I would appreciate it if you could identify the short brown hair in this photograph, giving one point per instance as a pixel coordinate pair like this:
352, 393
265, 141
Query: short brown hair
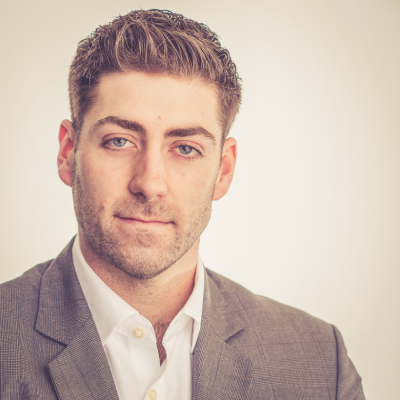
154, 41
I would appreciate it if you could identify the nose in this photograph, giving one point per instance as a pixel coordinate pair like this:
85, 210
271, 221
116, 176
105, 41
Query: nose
149, 177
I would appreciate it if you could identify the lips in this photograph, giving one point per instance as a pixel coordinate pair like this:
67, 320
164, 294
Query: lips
143, 220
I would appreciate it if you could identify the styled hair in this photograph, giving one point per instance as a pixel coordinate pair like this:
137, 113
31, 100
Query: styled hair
154, 41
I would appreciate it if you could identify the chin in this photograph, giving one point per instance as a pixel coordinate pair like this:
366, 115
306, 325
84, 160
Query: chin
144, 264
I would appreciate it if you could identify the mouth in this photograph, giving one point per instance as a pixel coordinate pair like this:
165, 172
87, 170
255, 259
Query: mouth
138, 221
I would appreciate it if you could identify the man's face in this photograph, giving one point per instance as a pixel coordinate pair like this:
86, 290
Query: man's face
145, 169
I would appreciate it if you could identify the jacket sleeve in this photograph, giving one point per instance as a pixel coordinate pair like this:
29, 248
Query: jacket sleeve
348, 381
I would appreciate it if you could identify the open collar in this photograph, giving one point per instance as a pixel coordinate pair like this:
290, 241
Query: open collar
109, 309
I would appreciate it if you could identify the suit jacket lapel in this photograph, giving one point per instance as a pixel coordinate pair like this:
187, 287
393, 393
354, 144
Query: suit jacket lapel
81, 370
221, 370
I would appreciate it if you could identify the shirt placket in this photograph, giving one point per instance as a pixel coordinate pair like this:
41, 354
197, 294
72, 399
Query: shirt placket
157, 390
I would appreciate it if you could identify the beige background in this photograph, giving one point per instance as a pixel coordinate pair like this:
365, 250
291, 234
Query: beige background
313, 216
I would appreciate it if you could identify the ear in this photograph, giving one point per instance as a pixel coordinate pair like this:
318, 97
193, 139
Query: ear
65, 157
226, 169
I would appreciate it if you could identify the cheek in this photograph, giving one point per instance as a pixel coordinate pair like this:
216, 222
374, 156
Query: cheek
101, 182
195, 186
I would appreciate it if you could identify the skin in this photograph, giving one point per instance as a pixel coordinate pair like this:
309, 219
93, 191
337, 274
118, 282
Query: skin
144, 172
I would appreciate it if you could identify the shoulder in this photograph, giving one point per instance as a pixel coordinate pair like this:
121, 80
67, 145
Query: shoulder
28, 279
21, 293
19, 301
264, 313
287, 347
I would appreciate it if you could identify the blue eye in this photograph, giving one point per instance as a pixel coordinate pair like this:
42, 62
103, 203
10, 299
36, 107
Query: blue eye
119, 142
184, 149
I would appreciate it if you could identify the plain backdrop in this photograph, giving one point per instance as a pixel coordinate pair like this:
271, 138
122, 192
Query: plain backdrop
313, 215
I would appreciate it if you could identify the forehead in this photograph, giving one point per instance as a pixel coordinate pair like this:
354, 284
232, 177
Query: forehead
156, 101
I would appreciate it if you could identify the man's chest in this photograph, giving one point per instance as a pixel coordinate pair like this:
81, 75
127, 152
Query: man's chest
133, 357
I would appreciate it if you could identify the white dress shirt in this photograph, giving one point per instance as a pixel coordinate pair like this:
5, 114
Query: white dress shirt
130, 343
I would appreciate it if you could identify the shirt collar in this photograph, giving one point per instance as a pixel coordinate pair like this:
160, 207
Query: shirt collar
108, 309
194, 306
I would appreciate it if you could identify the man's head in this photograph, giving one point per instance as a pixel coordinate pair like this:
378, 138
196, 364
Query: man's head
152, 152
156, 42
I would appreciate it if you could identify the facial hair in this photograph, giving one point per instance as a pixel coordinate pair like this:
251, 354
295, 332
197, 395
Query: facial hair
141, 254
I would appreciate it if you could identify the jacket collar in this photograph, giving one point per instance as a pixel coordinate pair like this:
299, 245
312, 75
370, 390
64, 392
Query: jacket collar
62, 306
81, 370
219, 363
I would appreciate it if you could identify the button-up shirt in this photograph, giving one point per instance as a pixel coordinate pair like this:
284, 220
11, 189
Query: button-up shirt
130, 342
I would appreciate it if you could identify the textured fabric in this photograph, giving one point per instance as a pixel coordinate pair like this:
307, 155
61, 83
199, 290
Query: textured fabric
249, 347
134, 361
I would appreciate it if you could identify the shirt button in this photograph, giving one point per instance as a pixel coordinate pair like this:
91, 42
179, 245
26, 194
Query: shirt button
152, 394
139, 333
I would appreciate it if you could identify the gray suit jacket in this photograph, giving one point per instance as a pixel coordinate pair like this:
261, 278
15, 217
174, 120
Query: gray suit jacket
249, 347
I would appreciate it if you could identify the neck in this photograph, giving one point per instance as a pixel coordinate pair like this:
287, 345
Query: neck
158, 299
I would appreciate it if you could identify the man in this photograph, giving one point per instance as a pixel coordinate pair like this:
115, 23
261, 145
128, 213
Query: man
127, 309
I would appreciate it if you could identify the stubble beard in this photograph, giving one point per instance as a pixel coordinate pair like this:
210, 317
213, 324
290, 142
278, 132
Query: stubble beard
143, 255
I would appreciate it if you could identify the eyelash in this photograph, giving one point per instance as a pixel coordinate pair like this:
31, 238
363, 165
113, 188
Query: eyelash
198, 155
107, 142
195, 157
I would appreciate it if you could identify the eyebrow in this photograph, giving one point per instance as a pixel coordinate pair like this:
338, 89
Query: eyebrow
123, 123
136, 127
185, 132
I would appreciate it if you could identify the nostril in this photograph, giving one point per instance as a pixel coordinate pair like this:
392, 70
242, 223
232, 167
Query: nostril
147, 186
